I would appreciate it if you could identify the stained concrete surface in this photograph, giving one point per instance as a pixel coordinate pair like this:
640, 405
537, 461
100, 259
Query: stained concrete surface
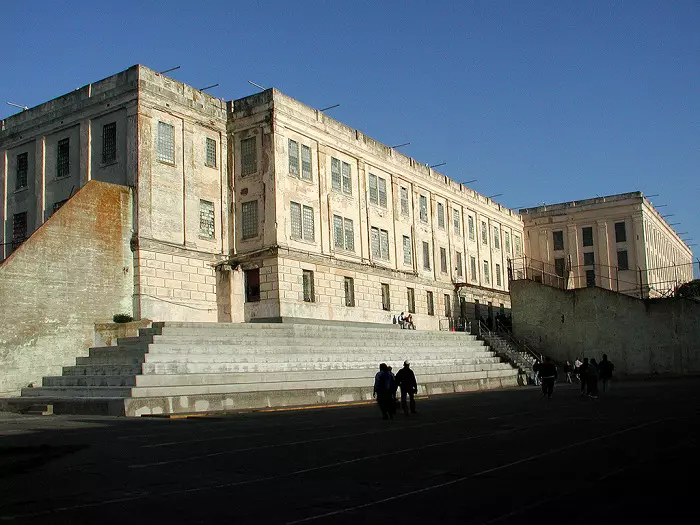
489, 457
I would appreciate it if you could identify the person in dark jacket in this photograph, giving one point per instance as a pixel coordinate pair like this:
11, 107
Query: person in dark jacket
382, 390
548, 375
606, 371
406, 379
592, 379
393, 386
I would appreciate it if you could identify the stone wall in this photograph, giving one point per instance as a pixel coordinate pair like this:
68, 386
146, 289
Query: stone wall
74, 271
639, 336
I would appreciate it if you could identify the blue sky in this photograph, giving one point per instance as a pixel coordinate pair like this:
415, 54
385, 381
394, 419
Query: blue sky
542, 101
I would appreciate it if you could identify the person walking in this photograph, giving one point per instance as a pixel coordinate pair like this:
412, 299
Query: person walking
592, 379
393, 387
582, 371
382, 390
577, 365
567, 370
548, 375
406, 379
606, 369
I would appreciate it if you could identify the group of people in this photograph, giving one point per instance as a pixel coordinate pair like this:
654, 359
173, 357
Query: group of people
386, 385
588, 372
405, 321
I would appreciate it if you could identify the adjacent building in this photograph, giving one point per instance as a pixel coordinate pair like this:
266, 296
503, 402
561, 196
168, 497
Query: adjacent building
259, 208
619, 242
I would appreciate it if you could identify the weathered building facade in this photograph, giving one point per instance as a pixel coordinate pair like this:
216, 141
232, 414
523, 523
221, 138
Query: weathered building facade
258, 208
618, 242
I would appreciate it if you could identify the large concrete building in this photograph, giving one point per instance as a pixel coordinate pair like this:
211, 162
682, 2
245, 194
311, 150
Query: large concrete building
259, 208
618, 242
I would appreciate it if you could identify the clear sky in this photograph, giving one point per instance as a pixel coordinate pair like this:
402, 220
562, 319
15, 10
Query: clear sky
542, 101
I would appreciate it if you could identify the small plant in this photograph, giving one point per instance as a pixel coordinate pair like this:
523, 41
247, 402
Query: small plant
122, 318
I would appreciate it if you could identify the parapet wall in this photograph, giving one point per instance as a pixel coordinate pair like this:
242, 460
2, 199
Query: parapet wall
640, 336
74, 271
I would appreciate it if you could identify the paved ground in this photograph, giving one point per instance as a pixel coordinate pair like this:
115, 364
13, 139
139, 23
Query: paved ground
494, 457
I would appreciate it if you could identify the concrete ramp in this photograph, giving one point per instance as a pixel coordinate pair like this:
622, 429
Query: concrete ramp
177, 368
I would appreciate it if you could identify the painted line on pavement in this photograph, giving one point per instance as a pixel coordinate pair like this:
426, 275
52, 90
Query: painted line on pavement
475, 475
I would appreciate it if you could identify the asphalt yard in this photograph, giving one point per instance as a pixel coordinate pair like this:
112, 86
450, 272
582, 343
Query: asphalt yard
491, 457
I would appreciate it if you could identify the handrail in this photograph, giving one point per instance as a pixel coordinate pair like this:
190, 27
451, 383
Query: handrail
519, 344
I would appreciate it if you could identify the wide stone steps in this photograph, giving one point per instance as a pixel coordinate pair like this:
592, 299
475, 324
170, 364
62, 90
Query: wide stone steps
250, 377
210, 388
186, 367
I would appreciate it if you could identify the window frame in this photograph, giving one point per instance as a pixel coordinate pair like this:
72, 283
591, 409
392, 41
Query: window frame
386, 297
307, 286
426, 256
626, 266
473, 269
408, 252
203, 232
499, 277
345, 232
349, 290
404, 200
109, 146
620, 238
558, 240
456, 221
448, 305
250, 286
249, 158
19, 176
472, 227
441, 215
305, 212
487, 272
210, 152
588, 258
484, 233
243, 221
423, 207
431, 302
458, 266
63, 158
411, 299
165, 140
585, 241
496, 238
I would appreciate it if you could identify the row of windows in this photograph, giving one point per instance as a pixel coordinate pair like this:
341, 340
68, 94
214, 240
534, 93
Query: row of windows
341, 181
252, 292
109, 155
165, 146
587, 236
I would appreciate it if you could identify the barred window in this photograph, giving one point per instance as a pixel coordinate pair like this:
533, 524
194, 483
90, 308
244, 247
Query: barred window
380, 244
496, 238
343, 233
308, 223
411, 296
336, 179
249, 219
347, 181
620, 232
456, 221
507, 242
349, 286
431, 304
306, 173
338, 235
211, 153
384, 238
518, 247
206, 219
109, 142
470, 221
622, 260
349, 235
22, 170
308, 284
293, 158
487, 275
484, 233
423, 208
404, 201
249, 156
587, 234
63, 158
472, 267
302, 221
382, 192
459, 264
373, 191
498, 274
448, 309
441, 215
407, 250
558, 240
19, 229
386, 299
443, 260
165, 147
426, 256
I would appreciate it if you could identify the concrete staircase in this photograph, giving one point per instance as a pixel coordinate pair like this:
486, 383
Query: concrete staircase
175, 368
